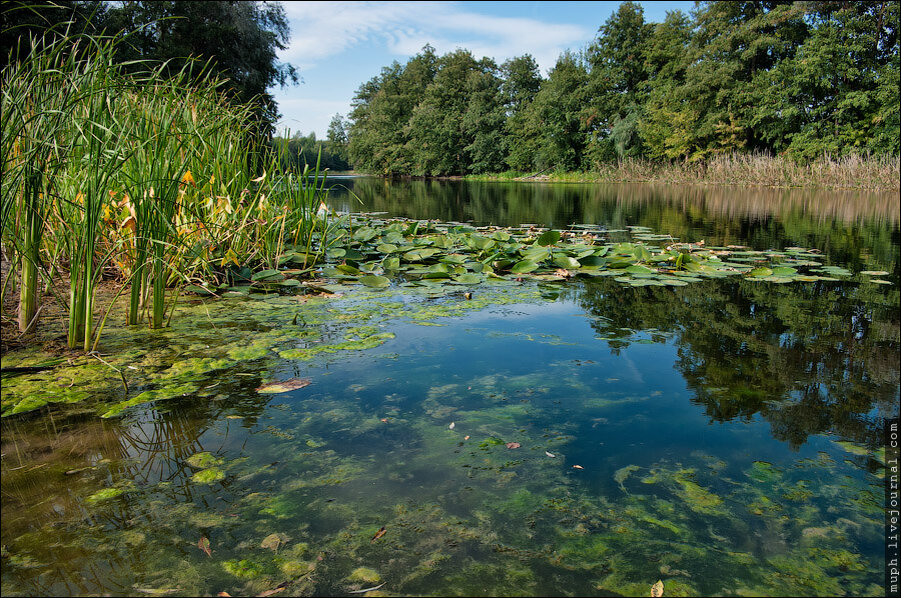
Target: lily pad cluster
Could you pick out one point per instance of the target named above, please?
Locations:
(429, 253)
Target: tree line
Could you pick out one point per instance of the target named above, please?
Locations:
(799, 79)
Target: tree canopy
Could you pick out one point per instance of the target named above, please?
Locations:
(239, 39)
(800, 79)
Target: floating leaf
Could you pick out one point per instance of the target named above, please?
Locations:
(657, 589)
(552, 455)
(382, 531)
(284, 385)
(452, 426)
(267, 275)
(564, 261)
(376, 282)
(578, 467)
(524, 266)
(548, 238)
(761, 271)
(204, 544)
(513, 445)
(875, 272)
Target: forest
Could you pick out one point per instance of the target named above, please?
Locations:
(794, 79)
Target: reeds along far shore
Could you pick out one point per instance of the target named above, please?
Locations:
(158, 179)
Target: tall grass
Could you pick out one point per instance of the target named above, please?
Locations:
(158, 178)
(864, 172)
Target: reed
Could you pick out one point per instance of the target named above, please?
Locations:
(158, 178)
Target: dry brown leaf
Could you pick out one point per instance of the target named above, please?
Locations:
(285, 385)
(513, 445)
(382, 531)
(657, 589)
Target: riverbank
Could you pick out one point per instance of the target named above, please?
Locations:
(868, 173)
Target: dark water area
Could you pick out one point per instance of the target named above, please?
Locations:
(542, 438)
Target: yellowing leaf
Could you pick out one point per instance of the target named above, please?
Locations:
(188, 178)
(657, 589)
(284, 385)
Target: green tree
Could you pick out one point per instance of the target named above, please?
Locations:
(337, 136)
(617, 83)
(379, 136)
(457, 128)
(555, 116)
(838, 92)
(21, 21)
(734, 45)
(240, 38)
(521, 81)
(667, 119)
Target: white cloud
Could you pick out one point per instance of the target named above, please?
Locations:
(324, 29)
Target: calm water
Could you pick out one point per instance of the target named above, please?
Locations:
(577, 438)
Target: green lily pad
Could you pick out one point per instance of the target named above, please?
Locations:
(524, 266)
(760, 272)
(548, 238)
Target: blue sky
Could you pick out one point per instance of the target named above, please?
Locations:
(337, 46)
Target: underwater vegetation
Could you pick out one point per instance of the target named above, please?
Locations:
(322, 437)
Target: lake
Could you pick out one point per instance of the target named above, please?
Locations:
(528, 437)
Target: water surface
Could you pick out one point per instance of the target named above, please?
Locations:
(541, 438)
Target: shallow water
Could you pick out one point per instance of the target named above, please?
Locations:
(722, 437)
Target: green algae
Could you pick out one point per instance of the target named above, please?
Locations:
(620, 475)
(203, 460)
(105, 495)
(364, 575)
(208, 476)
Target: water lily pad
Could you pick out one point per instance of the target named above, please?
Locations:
(523, 267)
(760, 272)
(548, 238)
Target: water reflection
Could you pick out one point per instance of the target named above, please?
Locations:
(812, 359)
(851, 227)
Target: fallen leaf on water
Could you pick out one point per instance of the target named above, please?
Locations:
(657, 589)
(552, 455)
(466, 438)
(226, 594)
(578, 467)
(384, 420)
(378, 534)
(284, 385)
(513, 445)
(204, 544)
(452, 426)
